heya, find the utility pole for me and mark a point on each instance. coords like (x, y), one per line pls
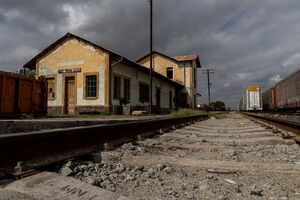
(151, 52)
(208, 71)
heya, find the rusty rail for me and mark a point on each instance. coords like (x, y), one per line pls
(288, 125)
(31, 145)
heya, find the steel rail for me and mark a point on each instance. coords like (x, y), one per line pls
(289, 123)
(17, 147)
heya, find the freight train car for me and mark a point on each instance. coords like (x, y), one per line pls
(288, 92)
(269, 99)
(285, 95)
(253, 98)
(20, 94)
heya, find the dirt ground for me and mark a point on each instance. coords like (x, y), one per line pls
(230, 158)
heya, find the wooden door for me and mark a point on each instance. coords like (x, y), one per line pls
(70, 101)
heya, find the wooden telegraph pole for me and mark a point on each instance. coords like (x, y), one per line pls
(151, 52)
(208, 71)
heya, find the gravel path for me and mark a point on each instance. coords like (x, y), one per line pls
(230, 158)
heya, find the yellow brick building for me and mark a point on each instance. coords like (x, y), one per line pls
(84, 77)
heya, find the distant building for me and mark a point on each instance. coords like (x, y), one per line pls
(85, 77)
(182, 69)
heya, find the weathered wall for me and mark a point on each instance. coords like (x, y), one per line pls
(161, 64)
(76, 54)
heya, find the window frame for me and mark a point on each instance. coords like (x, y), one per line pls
(146, 84)
(120, 87)
(54, 87)
(172, 68)
(85, 89)
(123, 87)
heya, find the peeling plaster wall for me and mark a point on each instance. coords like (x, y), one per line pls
(70, 55)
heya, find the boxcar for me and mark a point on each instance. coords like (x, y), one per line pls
(21, 94)
(288, 92)
(267, 99)
(253, 100)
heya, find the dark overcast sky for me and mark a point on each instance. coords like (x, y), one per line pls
(245, 42)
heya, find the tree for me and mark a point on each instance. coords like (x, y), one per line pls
(218, 106)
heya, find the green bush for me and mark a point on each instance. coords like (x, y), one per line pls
(186, 112)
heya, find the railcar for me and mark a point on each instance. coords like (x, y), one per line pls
(269, 99)
(284, 95)
(253, 98)
(288, 92)
(20, 94)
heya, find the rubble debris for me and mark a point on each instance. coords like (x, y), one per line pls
(232, 165)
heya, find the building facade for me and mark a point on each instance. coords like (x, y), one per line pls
(182, 69)
(84, 77)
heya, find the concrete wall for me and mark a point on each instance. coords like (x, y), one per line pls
(76, 54)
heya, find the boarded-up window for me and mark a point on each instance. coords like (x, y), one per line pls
(51, 88)
(170, 72)
(91, 86)
(117, 87)
(144, 93)
(126, 89)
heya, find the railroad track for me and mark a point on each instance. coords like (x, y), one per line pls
(40, 148)
(286, 124)
(229, 158)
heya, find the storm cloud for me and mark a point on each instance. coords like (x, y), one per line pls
(244, 42)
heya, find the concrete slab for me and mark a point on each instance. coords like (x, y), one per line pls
(47, 185)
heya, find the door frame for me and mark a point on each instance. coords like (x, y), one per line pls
(64, 86)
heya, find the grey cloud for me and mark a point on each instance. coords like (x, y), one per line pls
(248, 42)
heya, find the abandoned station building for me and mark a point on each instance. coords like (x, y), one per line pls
(84, 77)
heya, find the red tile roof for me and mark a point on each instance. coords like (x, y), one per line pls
(187, 57)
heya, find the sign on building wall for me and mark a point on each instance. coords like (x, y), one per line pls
(70, 63)
(73, 70)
